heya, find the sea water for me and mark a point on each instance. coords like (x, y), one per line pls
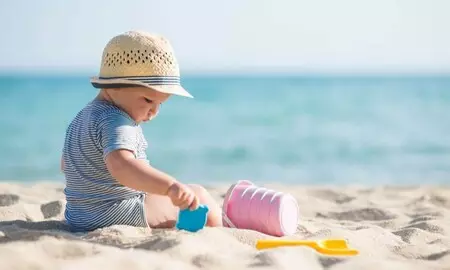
(288, 129)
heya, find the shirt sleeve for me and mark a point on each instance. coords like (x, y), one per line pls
(117, 131)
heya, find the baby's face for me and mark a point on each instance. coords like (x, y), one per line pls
(141, 103)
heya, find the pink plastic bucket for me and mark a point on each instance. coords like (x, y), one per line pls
(247, 206)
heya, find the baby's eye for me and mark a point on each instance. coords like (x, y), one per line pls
(148, 100)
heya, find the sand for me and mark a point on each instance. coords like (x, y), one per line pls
(392, 227)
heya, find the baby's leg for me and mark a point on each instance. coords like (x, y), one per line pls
(161, 213)
(215, 212)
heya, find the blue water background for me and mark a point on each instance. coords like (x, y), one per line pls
(287, 129)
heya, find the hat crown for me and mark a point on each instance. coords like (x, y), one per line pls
(138, 53)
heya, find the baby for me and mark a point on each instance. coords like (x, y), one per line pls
(108, 178)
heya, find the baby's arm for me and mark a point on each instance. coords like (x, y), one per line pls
(136, 174)
(118, 139)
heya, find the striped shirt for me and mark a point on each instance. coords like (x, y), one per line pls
(94, 198)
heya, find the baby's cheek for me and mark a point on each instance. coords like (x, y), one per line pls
(137, 114)
(144, 110)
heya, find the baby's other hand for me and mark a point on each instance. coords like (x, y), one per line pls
(182, 196)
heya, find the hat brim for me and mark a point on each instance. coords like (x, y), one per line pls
(172, 89)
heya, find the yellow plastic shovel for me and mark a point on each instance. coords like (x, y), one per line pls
(328, 247)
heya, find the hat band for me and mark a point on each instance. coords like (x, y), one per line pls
(150, 80)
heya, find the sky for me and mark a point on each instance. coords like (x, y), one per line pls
(325, 36)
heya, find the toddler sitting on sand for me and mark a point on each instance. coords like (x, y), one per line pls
(108, 178)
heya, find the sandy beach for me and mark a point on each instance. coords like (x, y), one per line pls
(392, 227)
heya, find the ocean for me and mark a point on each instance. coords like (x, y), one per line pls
(288, 129)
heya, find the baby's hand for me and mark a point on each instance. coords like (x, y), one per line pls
(182, 196)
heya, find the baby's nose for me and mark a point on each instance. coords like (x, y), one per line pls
(154, 108)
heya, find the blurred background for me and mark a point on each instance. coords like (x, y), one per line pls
(301, 92)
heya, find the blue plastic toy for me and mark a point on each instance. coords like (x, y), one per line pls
(192, 221)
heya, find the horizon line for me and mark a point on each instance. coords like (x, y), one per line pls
(46, 71)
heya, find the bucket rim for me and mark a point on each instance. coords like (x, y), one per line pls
(288, 197)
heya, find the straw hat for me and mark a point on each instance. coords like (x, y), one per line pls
(138, 58)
